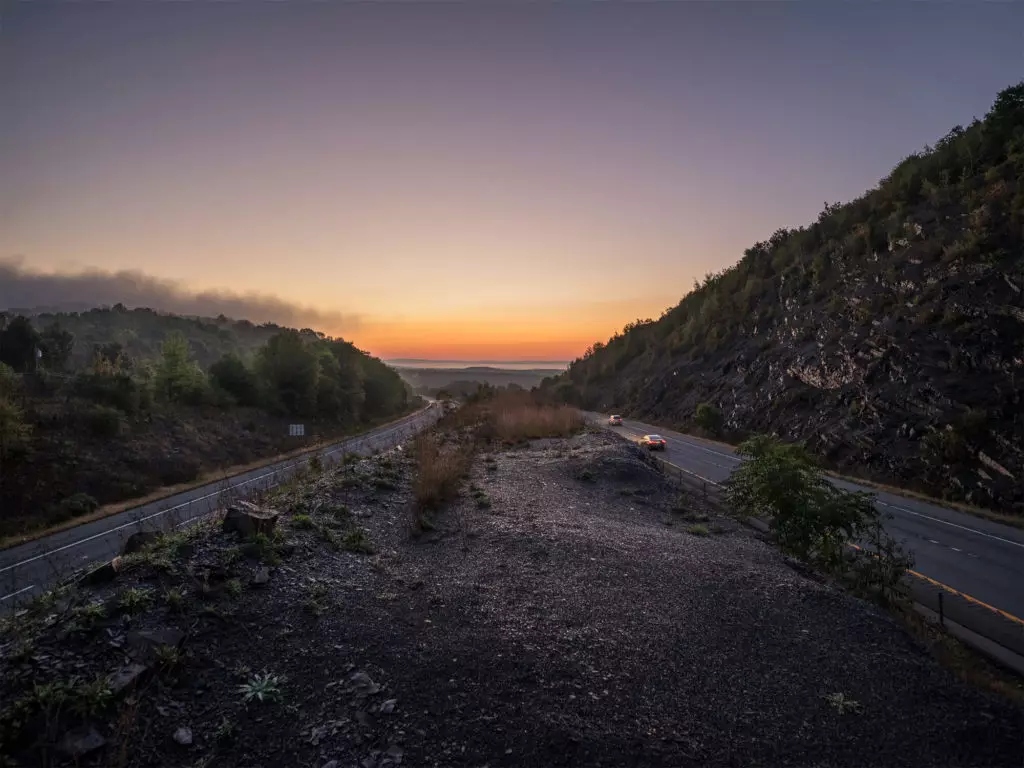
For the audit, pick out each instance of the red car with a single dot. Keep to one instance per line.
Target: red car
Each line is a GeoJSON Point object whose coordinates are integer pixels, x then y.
{"type": "Point", "coordinates": [653, 442]}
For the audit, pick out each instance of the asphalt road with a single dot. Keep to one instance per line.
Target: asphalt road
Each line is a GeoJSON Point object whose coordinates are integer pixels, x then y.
{"type": "Point", "coordinates": [29, 569]}
{"type": "Point", "coordinates": [982, 559]}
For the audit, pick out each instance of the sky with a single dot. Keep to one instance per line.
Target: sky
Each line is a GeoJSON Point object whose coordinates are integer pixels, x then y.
{"type": "Point", "coordinates": [457, 180]}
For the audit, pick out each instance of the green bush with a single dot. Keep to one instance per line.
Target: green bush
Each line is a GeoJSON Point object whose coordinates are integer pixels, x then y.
{"type": "Point", "coordinates": [77, 505]}
{"type": "Point", "coordinates": [103, 421]}
{"type": "Point", "coordinates": [708, 417]}
{"type": "Point", "coordinates": [813, 520]}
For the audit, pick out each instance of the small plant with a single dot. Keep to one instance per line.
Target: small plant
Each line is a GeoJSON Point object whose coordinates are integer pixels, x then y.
{"type": "Point", "coordinates": [356, 540]}
{"type": "Point", "coordinates": [303, 521]}
{"type": "Point", "coordinates": [135, 600]}
{"type": "Point", "coordinates": [233, 587]}
{"type": "Point", "coordinates": [587, 476]}
{"type": "Point", "coordinates": [226, 731]}
{"type": "Point", "coordinates": [262, 549]}
{"type": "Point", "coordinates": [483, 502]}
{"type": "Point", "coordinates": [316, 599]}
{"type": "Point", "coordinates": [169, 658]}
{"type": "Point", "coordinates": [91, 699]}
{"type": "Point", "coordinates": [232, 555]}
{"type": "Point", "coordinates": [175, 600]}
{"type": "Point", "coordinates": [842, 703]}
{"type": "Point", "coordinates": [241, 671]}
{"type": "Point", "coordinates": [315, 465]}
{"type": "Point", "coordinates": [697, 530]}
{"type": "Point", "coordinates": [261, 687]}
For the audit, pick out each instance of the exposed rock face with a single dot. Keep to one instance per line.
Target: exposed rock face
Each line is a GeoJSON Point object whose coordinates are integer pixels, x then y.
{"type": "Point", "coordinates": [889, 334]}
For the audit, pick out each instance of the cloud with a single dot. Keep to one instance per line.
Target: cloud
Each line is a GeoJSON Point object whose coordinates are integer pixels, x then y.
{"type": "Point", "coordinates": [25, 289]}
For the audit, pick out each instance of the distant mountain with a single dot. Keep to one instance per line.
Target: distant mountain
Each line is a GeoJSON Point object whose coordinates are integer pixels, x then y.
{"type": "Point", "coordinates": [888, 334]}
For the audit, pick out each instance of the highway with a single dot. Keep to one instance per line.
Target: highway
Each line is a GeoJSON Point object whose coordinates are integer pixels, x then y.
{"type": "Point", "coordinates": [982, 559]}
{"type": "Point", "coordinates": [29, 569]}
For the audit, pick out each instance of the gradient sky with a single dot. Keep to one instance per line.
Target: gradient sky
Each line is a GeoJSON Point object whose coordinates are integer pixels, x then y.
{"type": "Point", "coordinates": [464, 180]}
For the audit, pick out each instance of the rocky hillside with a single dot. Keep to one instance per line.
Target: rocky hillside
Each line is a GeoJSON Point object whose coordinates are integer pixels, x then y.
{"type": "Point", "coordinates": [888, 334]}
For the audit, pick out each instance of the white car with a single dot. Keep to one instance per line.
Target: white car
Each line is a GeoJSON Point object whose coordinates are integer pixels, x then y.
{"type": "Point", "coordinates": [615, 421]}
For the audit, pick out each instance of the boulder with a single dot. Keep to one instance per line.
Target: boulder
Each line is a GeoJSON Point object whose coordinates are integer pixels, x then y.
{"type": "Point", "coordinates": [261, 577]}
{"type": "Point", "coordinates": [139, 541]}
{"type": "Point", "coordinates": [103, 574]}
{"type": "Point", "coordinates": [126, 678]}
{"type": "Point", "coordinates": [248, 519]}
{"type": "Point", "coordinates": [81, 741]}
{"type": "Point", "coordinates": [143, 644]}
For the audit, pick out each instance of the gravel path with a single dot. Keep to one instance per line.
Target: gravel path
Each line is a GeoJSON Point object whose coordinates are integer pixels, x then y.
{"type": "Point", "coordinates": [563, 614]}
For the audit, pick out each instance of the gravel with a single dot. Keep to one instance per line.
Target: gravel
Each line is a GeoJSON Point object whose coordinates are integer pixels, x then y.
{"type": "Point", "coordinates": [572, 621]}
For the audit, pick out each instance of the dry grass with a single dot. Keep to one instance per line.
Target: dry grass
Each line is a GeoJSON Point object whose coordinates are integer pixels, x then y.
{"type": "Point", "coordinates": [440, 469]}
{"type": "Point", "coordinates": [523, 420]}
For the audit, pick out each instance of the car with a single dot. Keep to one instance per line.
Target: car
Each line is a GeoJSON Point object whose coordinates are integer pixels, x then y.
{"type": "Point", "coordinates": [615, 421]}
{"type": "Point", "coordinates": [653, 442]}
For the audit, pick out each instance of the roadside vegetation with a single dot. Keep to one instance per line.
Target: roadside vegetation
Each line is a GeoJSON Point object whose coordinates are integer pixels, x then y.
{"type": "Point", "coordinates": [142, 400]}
{"type": "Point", "coordinates": [491, 418]}
{"type": "Point", "coordinates": [814, 521]}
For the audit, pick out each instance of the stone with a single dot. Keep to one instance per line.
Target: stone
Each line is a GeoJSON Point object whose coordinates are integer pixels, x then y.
{"type": "Point", "coordinates": [139, 541]}
{"type": "Point", "coordinates": [81, 741]}
{"type": "Point", "coordinates": [261, 577]}
{"type": "Point", "coordinates": [103, 574]}
{"type": "Point", "coordinates": [331, 764]}
{"type": "Point", "coordinates": [183, 736]}
{"type": "Point", "coordinates": [249, 519]}
{"type": "Point", "coordinates": [126, 678]}
{"type": "Point", "coordinates": [388, 706]}
{"type": "Point", "coordinates": [142, 644]}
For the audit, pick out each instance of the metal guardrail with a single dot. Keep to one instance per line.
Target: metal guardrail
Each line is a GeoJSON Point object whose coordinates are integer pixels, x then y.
{"type": "Point", "coordinates": [947, 603]}
{"type": "Point", "coordinates": [63, 567]}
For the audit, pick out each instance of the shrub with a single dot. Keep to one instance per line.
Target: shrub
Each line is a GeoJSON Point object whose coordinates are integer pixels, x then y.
{"type": "Point", "coordinates": [813, 520]}
{"type": "Point", "coordinates": [76, 505]}
{"type": "Point", "coordinates": [708, 417]}
{"type": "Point", "coordinates": [356, 540]}
{"type": "Point", "coordinates": [103, 421]}
{"type": "Point", "coordinates": [303, 521]}
{"type": "Point", "coordinates": [135, 600]}
{"type": "Point", "coordinates": [439, 471]}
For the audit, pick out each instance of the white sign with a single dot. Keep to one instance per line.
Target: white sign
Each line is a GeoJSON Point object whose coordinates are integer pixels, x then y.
{"type": "Point", "coordinates": [296, 430]}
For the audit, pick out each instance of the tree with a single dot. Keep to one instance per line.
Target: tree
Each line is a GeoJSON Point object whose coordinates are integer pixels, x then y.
{"type": "Point", "coordinates": [177, 377]}
{"type": "Point", "coordinates": [19, 342]}
{"type": "Point", "coordinates": [708, 417]}
{"type": "Point", "coordinates": [233, 376]}
{"type": "Point", "coordinates": [290, 370]}
{"type": "Point", "coordinates": [812, 519]}
{"type": "Point", "coordinates": [57, 345]}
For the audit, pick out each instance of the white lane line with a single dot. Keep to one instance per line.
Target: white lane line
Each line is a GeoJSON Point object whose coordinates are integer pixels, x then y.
{"type": "Point", "coordinates": [101, 534]}
{"type": "Point", "coordinates": [15, 594]}
{"type": "Point", "coordinates": [955, 549]}
{"type": "Point", "coordinates": [933, 541]}
{"type": "Point", "coordinates": [953, 525]}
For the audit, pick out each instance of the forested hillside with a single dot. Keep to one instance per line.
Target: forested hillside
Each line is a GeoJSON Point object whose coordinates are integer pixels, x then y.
{"type": "Point", "coordinates": [111, 404]}
{"type": "Point", "coordinates": [888, 334]}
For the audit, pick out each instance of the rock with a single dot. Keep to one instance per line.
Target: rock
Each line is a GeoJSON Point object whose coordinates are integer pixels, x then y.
{"type": "Point", "coordinates": [142, 644]}
{"type": "Point", "coordinates": [261, 577]}
{"type": "Point", "coordinates": [126, 678]}
{"type": "Point", "coordinates": [81, 741]}
{"type": "Point", "coordinates": [183, 736]}
{"type": "Point", "coordinates": [331, 764]}
{"type": "Point", "coordinates": [364, 684]}
{"type": "Point", "coordinates": [248, 519]}
{"type": "Point", "coordinates": [140, 541]}
{"type": "Point", "coordinates": [104, 574]}
{"type": "Point", "coordinates": [388, 706]}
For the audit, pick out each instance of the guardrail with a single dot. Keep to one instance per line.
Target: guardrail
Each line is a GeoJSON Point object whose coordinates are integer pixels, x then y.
{"type": "Point", "coordinates": [63, 563]}
{"type": "Point", "coordinates": [949, 608]}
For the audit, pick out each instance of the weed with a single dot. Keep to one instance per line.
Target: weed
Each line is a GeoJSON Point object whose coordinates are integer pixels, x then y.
{"type": "Point", "coordinates": [843, 704]}
{"type": "Point", "coordinates": [175, 600]}
{"type": "Point", "coordinates": [697, 530]}
{"type": "Point", "coordinates": [261, 687]}
{"type": "Point", "coordinates": [356, 540]}
{"type": "Point", "coordinates": [89, 615]}
{"type": "Point", "coordinates": [135, 600]}
{"type": "Point", "coordinates": [262, 549]}
{"type": "Point", "coordinates": [241, 671]}
{"type": "Point", "coordinates": [233, 587]}
{"type": "Point", "coordinates": [91, 699]}
{"type": "Point", "coordinates": [330, 536]}
{"type": "Point", "coordinates": [316, 598]}
{"type": "Point", "coordinates": [303, 521]}
{"type": "Point", "coordinates": [587, 475]}
{"type": "Point", "coordinates": [169, 658]}
{"type": "Point", "coordinates": [483, 502]}
{"type": "Point", "coordinates": [439, 471]}
{"type": "Point", "coordinates": [226, 731]}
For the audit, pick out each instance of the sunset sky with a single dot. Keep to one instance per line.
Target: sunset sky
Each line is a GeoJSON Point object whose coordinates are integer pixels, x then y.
{"type": "Point", "coordinates": [454, 179]}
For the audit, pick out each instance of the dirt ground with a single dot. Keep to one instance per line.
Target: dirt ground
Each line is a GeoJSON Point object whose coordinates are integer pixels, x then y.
{"type": "Point", "coordinates": [565, 611]}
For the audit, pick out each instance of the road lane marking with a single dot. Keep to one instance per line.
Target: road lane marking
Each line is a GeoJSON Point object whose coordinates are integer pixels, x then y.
{"type": "Point", "coordinates": [933, 541]}
{"type": "Point", "coordinates": [946, 522]}
{"type": "Point", "coordinates": [955, 549]}
{"type": "Point", "coordinates": [357, 442]}
{"type": "Point", "coordinates": [15, 594]}
{"type": "Point", "coordinates": [964, 595]}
